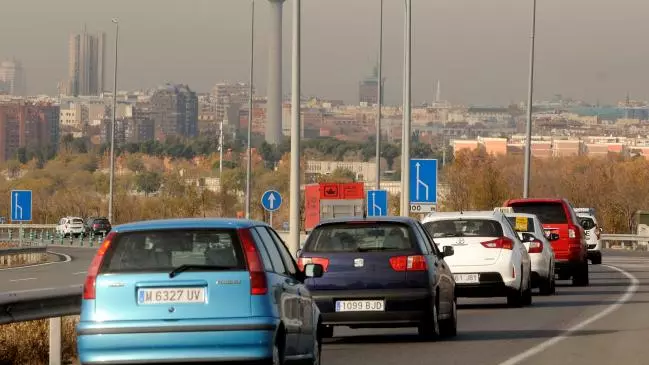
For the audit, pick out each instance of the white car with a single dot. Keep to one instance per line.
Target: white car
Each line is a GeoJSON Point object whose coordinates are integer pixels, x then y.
{"type": "Point", "coordinates": [489, 261]}
{"type": "Point", "coordinates": [70, 226]}
{"type": "Point", "coordinates": [592, 231]}
{"type": "Point", "coordinates": [539, 247]}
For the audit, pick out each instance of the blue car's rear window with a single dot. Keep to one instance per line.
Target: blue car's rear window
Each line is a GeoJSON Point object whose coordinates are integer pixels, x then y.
{"type": "Point", "coordinates": [360, 237]}
{"type": "Point", "coordinates": [165, 250]}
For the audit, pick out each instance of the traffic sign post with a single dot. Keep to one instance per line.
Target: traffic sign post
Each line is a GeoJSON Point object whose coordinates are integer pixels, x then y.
{"type": "Point", "coordinates": [423, 185]}
{"type": "Point", "coordinates": [21, 209]}
{"type": "Point", "coordinates": [377, 203]}
{"type": "Point", "coordinates": [271, 200]}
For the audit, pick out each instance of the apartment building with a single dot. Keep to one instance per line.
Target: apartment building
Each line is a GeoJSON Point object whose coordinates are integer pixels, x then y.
{"type": "Point", "coordinates": [32, 126]}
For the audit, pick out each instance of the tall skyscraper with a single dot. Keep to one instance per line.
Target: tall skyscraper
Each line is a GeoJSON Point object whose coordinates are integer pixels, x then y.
{"type": "Point", "coordinates": [87, 64]}
{"type": "Point", "coordinates": [368, 89]}
{"type": "Point", "coordinates": [12, 78]}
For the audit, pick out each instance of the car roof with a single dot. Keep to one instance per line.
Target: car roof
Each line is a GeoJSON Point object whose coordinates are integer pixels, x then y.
{"type": "Point", "coordinates": [465, 214]}
{"type": "Point", "coordinates": [585, 215]}
{"type": "Point", "coordinates": [535, 200]}
{"type": "Point", "coordinates": [389, 219]}
{"type": "Point", "coordinates": [184, 223]}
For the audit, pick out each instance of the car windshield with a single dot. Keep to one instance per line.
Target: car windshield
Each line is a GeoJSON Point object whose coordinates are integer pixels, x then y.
{"type": "Point", "coordinates": [169, 249]}
{"type": "Point", "coordinates": [548, 213]}
{"type": "Point", "coordinates": [521, 224]}
{"type": "Point", "coordinates": [464, 228]}
{"type": "Point", "coordinates": [100, 221]}
{"type": "Point", "coordinates": [360, 237]}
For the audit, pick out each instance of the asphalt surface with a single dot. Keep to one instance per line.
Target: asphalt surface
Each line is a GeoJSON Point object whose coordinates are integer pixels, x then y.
{"type": "Point", "coordinates": [604, 323]}
{"type": "Point", "coordinates": [70, 270]}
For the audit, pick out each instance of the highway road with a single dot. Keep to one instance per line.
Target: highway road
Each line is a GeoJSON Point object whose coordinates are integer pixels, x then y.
{"type": "Point", "coordinates": [69, 271]}
{"type": "Point", "coordinates": [600, 324]}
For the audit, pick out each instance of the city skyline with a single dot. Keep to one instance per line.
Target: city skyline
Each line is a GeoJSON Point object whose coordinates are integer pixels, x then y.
{"type": "Point", "coordinates": [477, 51]}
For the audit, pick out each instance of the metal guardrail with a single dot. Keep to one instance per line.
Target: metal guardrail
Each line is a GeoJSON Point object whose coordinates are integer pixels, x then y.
{"type": "Point", "coordinates": [27, 254]}
{"type": "Point", "coordinates": [29, 305]}
{"type": "Point", "coordinates": [623, 237]}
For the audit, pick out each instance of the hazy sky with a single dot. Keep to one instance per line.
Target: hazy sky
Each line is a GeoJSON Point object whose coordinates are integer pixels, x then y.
{"type": "Point", "coordinates": [591, 49]}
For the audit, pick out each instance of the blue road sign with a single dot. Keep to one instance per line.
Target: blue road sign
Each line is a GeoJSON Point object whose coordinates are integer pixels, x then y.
{"type": "Point", "coordinates": [423, 181]}
{"type": "Point", "coordinates": [21, 205]}
{"type": "Point", "coordinates": [377, 203]}
{"type": "Point", "coordinates": [271, 200]}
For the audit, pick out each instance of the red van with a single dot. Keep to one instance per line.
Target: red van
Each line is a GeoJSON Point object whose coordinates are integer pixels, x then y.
{"type": "Point", "coordinates": [568, 240]}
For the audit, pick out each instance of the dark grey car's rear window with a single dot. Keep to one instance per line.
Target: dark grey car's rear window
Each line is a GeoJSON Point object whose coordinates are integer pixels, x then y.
{"type": "Point", "coordinates": [360, 237]}
{"type": "Point", "coordinates": [464, 228]}
{"type": "Point", "coordinates": [164, 250]}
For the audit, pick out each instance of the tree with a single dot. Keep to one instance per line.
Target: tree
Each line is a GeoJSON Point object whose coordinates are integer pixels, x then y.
{"type": "Point", "coordinates": [13, 168]}
{"type": "Point", "coordinates": [148, 182]}
{"type": "Point", "coordinates": [135, 164]}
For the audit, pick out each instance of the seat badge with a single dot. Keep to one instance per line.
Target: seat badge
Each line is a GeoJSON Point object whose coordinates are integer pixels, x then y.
{"type": "Point", "coordinates": [359, 262]}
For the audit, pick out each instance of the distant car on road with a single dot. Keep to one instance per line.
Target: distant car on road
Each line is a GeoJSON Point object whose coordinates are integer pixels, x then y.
{"type": "Point", "coordinates": [539, 247]}
{"type": "Point", "coordinates": [97, 225]}
{"type": "Point", "coordinates": [197, 291]}
{"type": "Point", "coordinates": [381, 272]}
{"type": "Point", "coordinates": [70, 226]}
{"type": "Point", "coordinates": [593, 232]}
{"type": "Point", "coordinates": [570, 250]}
{"type": "Point", "coordinates": [490, 260]}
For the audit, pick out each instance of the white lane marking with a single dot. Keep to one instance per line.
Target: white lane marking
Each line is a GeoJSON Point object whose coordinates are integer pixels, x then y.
{"type": "Point", "coordinates": [80, 272]}
{"type": "Point", "coordinates": [630, 290]}
{"type": "Point", "coordinates": [25, 279]}
{"type": "Point", "coordinates": [67, 258]}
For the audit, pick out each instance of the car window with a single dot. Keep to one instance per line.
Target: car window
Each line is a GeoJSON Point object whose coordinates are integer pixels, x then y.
{"type": "Point", "coordinates": [289, 263]}
{"type": "Point", "coordinates": [361, 237]}
{"type": "Point", "coordinates": [273, 252]}
{"type": "Point", "coordinates": [472, 227]}
{"type": "Point", "coordinates": [587, 223]}
{"type": "Point", "coordinates": [548, 213]}
{"type": "Point", "coordinates": [164, 250]}
{"type": "Point", "coordinates": [521, 224]}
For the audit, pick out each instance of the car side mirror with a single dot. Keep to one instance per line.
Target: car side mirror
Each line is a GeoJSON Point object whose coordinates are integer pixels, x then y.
{"type": "Point", "coordinates": [553, 237]}
{"type": "Point", "coordinates": [313, 270]}
{"type": "Point", "coordinates": [448, 251]}
{"type": "Point", "coordinates": [298, 253]}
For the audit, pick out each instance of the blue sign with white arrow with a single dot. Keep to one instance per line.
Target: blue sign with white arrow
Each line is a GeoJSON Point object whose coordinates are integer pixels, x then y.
{"type": "Point", "coordinates": [271, 200]}
{"type": "Point", "coordinates": [377, 203]}
{"type": "Point", "coordinates": [21, 205]}
{"type": "Point", "coordinates": [423, 182]}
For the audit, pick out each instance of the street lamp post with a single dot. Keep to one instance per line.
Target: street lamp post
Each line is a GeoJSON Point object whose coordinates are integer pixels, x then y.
{"type": "Point", "coordinates": [250, 102]}
{"type": "Point", "coordinates": [294, 201]}
{"type": "Point", "coordinates": [528, 129]}
{"type": "Point", "coordinates": [405, 143]}
{"type": "Point", "coordinates": [379, 100]}
{"type": "Point", "coordinates": [111, 183]}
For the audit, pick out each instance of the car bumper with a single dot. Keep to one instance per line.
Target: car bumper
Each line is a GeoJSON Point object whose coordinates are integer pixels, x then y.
{"type": "Point", "coordinates": [403, 307]}
{"type": "Point", "coordinates": [491, 284]}
{"type": "Point", "coordinates": [129, 343]}
{"type": "Point", "coordinates": [566, 267]}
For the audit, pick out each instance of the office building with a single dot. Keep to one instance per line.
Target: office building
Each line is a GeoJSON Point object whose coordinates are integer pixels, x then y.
{"type": "Point", "coordinates": [32, 126]}
{"type": "Point", "coordinates": [87, 63]}
{"type": "Point", "coordinates": [174, 110]}
{"type": "Point", "coordinates": [12, 78]}
{"type": "Point", "coordinates": [368, 90]}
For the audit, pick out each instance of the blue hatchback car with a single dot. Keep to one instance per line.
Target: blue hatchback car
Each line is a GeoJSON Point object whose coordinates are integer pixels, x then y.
{"type": "Point", "coordinates": [197, 291]}
{"type": "Point", "coordinates": [381, 272]}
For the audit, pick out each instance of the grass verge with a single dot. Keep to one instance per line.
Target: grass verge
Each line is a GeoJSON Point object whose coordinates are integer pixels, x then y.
{"type": "Point", "coordinates": [27, 343]}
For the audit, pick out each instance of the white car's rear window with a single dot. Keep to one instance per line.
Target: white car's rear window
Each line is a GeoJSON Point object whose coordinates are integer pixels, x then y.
{"type": "Point", "coordinates": [464, 228]}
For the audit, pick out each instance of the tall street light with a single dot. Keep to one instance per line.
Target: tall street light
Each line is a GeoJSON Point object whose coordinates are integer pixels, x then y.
{"type": "Point", "coordinates": [294, 201]}
{"type": "Point", "coordinates": [528, 129]}
{"type": "Point", "coordinates": [405, 143]}
{"type": "Point", "coordinates": [379, 100]}
{"type": "Point", "coordinates": [111, 183]}
{"type": "Point", "coordinates": [250, 102]}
